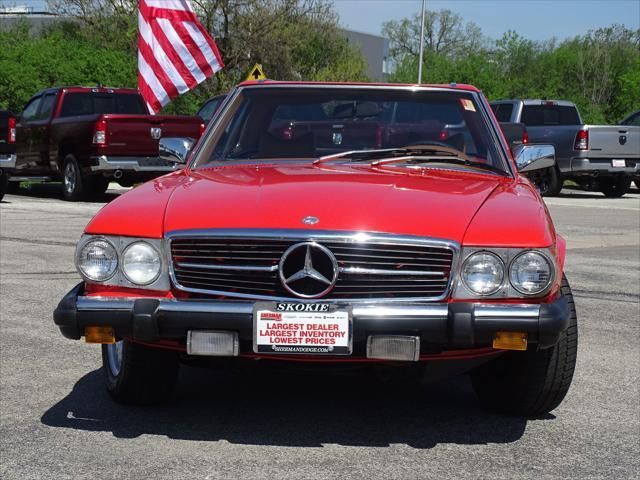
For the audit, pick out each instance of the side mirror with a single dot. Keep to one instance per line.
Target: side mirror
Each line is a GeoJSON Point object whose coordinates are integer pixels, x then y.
{"type": "Point", "coordinates": [175, 149]}
{"type": "Point", "coordinates": [534, 157]}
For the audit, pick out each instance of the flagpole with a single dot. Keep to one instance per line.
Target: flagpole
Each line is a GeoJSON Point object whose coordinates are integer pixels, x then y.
{"type": "Point", "coordinates": [424, 6]}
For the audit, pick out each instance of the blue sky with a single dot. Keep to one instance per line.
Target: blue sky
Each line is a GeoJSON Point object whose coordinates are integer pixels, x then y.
{"type": "Point", "coordinates": [533, 19]}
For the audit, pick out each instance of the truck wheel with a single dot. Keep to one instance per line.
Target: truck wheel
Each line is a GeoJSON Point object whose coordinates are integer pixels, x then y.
{"type": "Point", "coordinates": [615, 187]}
{"type": "Point", "coordinates": [74, 182]}
{"type": "Point", "coordinates": [4, 183]}
{"type": "Point", "coordinates": [136, 374]}
{"type": "Point", "coordinates": [553, 183]}
{"type": "Point", "coordinates": [534, 382]}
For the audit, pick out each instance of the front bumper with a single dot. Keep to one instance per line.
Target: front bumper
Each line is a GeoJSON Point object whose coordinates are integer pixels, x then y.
{"type": "Point", "coordinates": [7, 160]}
{"type": "Point", "coordinates": [105, 163]}
{"type": "Point", "coordinates": [441, 326]}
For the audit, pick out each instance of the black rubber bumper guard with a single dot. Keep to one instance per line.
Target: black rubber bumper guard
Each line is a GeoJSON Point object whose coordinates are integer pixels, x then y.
{"type": "Point", "coordinates": [453, 325]}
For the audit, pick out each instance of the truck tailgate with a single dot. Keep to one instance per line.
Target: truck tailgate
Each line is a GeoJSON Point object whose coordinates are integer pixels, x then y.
{"type": "Point", "coordinates": [138, 135]}
{"type": "Point", "coordinates": [615, 141]}
{"type": "Point", "coordinates": [5, 146]}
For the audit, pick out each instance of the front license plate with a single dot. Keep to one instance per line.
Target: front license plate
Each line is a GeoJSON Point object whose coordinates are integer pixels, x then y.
{"type": "Point", "coordinates": [301, 328]}
{"type": "Point", "coordinates": [618, 163]}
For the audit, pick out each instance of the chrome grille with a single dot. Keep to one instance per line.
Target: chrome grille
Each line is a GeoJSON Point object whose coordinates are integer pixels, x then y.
{"type": "Point", "coordinates": [370, 267]}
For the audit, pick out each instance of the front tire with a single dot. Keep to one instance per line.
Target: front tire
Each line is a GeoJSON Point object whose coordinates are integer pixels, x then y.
{"type": "Point", "coordinates": [534, 382]}
{"type": "Point", "coordinates": [137, 375]}
{"type": "Point", "coordinates": [615, 187]}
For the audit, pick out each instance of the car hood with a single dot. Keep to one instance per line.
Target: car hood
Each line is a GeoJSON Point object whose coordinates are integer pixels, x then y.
{"type": "Point", "coordinates": [469, 208]}
{"type": "Point", "coordinates": [432, 203]}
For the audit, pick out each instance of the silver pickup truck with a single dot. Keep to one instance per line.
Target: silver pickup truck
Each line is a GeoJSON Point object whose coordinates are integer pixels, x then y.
{"type": "Point", "coordinates": [604, 158]}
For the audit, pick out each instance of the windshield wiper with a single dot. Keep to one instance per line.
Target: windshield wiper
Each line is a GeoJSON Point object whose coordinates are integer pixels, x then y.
{"type": "Point", "coordinates": [369, 155]}
{"type": "Point", "coordinates": [438, 159]}
{"type": "Point", "coordinates": [423, 153]}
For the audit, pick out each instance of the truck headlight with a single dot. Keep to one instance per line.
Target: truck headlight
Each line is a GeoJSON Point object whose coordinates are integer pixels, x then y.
{"type": "Point", "coordinates": [483, 273]}
{"type": "Point", "coordinates": [97, 260]}
{"type": "Point", "coordinates": [141, 263]}
{"type": "Point", "coordinates": [530, 273]}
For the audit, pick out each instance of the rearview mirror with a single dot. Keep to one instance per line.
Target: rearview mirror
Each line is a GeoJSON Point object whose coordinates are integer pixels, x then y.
{"type": "Point", "coordinates": [175, 149]}
{"type": "Point", "coordinates": [534, 157]}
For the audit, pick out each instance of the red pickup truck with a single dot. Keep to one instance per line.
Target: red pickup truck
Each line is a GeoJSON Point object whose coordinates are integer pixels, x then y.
{"type": "Point", "coordinates": [7, 148]}
{"type": "Point", "coordinates": [87, 137]}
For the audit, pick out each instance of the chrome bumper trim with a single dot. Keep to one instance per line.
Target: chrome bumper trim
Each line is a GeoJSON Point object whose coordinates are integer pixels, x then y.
{"type": "Point", "coordinates": [106, 163]}
{"type": "Point", "coordinates": [579, 164]}
{"type": "Point", "coordinates": [8, 160]}
{"type": "Point", "coordinates": [506, 311]}
{"type": "Point", "coordinates": [385, 311]}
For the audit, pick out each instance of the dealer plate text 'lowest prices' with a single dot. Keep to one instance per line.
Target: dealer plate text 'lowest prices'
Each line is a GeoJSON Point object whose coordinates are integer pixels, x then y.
{"type": "Point", "coordinates": [300, 328]}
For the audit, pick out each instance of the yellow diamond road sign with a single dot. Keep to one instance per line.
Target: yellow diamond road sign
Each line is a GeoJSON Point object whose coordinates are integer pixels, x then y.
{"type": "Point", "coordinates": [256, 73]}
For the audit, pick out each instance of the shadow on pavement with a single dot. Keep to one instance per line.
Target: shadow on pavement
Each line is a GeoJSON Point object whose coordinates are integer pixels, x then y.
{"type": "Point", "coordinates": [293, 408]}
{"type": "Point", "coordinates": [573, 191]}
{"type": "Point", "coordinates": [54, 190]}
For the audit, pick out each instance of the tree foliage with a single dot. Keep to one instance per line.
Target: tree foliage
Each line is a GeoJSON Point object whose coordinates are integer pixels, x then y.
{"type": "Point", "coordinates": [599, 71]}
{"type": "Point", "coordinates": [59, 57]}
{"type": "Point", "coordinates": [292, 39]}
{"type": "Point", "coordinates": [445, 34]}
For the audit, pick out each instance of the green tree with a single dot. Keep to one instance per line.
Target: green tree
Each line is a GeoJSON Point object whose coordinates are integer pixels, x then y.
{"type": "Point", "coordinates": [58, 57]}
{"type": "Point", "coordinates": [445, 34]}
{"type": "Point", "coordinates": [599, 71]}
{"type": "Point", "coordinates": [292, 39]}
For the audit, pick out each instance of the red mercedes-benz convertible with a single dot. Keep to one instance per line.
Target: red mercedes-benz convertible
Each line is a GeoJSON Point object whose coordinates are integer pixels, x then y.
{"type": "Point", "coordinates": [335, 223]}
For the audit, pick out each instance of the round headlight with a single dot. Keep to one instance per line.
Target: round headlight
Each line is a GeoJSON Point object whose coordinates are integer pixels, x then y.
{"type": "Point", "coordinates": [483, 273]}
{"type": "Point", "coordinates": [530, 273]}
{"type": "Point", "coordinates": [97, 260]}
{"type": "Point", "coordinates": [141, 263]}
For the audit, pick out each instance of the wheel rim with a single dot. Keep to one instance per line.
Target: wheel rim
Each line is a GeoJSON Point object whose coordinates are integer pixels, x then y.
{"type": "Point", "coordinates": [114, 357]}
{"type": "Point", "coordinates": [70, 177]}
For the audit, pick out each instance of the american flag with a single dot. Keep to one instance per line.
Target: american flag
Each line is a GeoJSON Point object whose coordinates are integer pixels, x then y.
{"type": "Point", "coordinates": [175, 52]}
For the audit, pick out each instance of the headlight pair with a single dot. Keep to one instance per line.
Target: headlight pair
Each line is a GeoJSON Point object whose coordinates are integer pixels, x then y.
{"type": "Point", "coordinates": [530, 273]}
{"type": "Point", "coordinates": [139, 262]}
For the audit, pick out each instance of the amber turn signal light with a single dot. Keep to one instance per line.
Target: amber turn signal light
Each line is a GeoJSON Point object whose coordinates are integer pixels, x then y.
{"type": "Point", "coordinates": [99, 335]}
{"type": "Point", "coordinates": [510, 340]}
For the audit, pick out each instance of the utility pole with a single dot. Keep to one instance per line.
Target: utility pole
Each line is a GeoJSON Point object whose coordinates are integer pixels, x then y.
{"type": "Point", "coordinates": [424, 7]}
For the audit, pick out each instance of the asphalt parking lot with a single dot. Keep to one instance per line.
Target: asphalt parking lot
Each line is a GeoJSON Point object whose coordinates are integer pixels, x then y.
{"type": "Point", "coordinates": [58, 422]}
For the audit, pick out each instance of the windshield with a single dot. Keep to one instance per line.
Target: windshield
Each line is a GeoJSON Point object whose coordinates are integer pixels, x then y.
{"type": "Point", "coordinates": [287, 123]}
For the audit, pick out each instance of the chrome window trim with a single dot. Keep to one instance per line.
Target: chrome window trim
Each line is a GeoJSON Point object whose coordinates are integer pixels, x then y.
{"type": "Point", "coordinates": [479, 98]}
{"type": "Point", "coordinates": [353, 237]}
{"type": "Point", "coordinates": [494, 129]}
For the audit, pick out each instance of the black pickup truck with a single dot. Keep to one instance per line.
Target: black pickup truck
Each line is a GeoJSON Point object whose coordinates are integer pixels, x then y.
{"type": "Point", "coordinates": [87, 137]}
{"type": "Point", "coordinates": [7, 148]}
